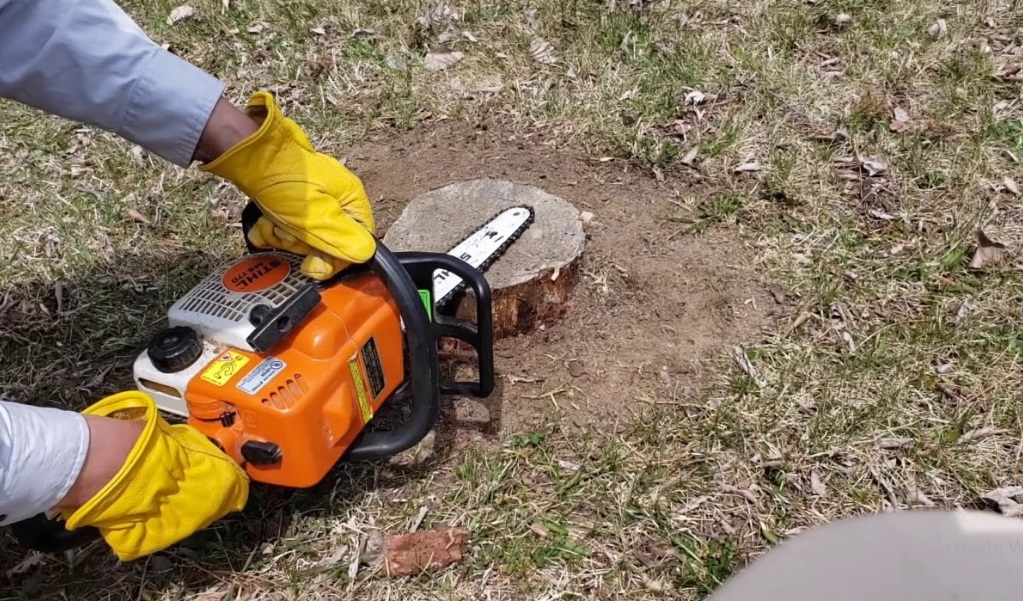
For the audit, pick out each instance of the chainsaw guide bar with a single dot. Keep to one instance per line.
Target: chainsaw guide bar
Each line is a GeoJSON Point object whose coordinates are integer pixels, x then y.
{"type": "Point", "coordinates": [482, 248]}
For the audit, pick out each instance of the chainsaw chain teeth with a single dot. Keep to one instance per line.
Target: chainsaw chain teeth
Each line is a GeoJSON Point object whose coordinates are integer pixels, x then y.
{"type": "Point", "coordinates": [497, 254]}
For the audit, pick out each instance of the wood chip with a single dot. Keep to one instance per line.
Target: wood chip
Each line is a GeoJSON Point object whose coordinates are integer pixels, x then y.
{"type": "Point", "coordinates": [429, 550]}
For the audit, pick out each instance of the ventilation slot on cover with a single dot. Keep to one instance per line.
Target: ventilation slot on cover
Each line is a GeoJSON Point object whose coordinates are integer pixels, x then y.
{"type": "Point", "coordinates": [287, 395]}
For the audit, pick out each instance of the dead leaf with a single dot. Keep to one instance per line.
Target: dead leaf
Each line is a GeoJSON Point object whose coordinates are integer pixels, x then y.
{"type": "Point", "coordinates": [137, 153]}
{"type": "Point", "coordinates": [575, 368]}
{"type": "Point", "coordinates": [318, 30]}
{"type": "Point", "coordinates": [778, 293]}
{"type": "Point", "coordinates": [874, 166]}
{"type": "Point", "coordinates": [916, 496]}
{"type": "Point", "coordinates": [468, 35]}
{"type": "Point", "coordinates": [739, 355]}
{"type": "Point", "coordinates": [988, 252]}
{"type": "Point", "coordinates": [427, 550]}
{"type": "Point", "coordinates": [182, 12]}
{"type": "Point", "coordinates": [816, 485]}
{"type": "Point", "coordinates": [1006, 499]}
{"type": "Point", "coordinates": [900, 120]}
{"type": "Point", "coordinates": [981, 433]}
{"type": "Point", "coordinates": [654, 586]}
{"type": "Point", "coordinates": [98, 379]}
{"type": "Point", "coordinates": [542, 52]}
{"type": "Point", "coordinates": [257, 28]}
{"type": "Point", "coordinates": [894, 443]}
{"type": "Point", "coordinates": [334, 557]}
{"type": "Point", "coordinates": [848, 339]}
{"type": "Point", "coordinates": [939, 29]}
{"type": "Point", "coordinates": [438, 61]}
{"type": "Point", "coordinates": [697, 97]}
{"type": "Point", "coordinates": [748, 167]}
{"type": "Point", "coordinates": [1010, 185]}
{"type": "Point", "coordinates": [137, 217]}
{"type": "Point", "coordinates": [690, 156]}
{"type": "Point", "coordinates": [30, 561]}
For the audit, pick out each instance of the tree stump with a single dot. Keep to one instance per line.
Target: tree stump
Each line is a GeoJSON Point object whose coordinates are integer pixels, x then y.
{"type": "Point", "coordinates": [531, 282]}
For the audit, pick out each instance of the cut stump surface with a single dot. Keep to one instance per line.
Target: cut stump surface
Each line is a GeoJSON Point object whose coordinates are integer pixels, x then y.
{"type": "Point", "coordinates": [531, 282]}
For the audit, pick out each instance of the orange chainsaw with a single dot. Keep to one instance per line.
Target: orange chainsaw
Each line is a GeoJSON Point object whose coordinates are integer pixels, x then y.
{"type": "Point", "coordinates": [285, 373]}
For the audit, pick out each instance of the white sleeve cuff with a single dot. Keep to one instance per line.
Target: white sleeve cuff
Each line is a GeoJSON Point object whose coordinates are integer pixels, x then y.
{"type": "Point", "coordinates": [42, 451]}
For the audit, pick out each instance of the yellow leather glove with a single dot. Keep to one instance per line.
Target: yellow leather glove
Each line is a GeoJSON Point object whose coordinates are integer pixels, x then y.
{"type": "Point", "coordinates": [174, 483]}
{"type": "Point", "coordinates": [312, 205]}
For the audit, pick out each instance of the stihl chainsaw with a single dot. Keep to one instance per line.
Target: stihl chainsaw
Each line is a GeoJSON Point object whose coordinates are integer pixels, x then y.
{"type": "Point", "coordinates": [285, 374]}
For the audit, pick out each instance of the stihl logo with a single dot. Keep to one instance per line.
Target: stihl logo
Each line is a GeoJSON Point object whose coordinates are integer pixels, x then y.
{"type": "Point", "coordinates": [254, 274]}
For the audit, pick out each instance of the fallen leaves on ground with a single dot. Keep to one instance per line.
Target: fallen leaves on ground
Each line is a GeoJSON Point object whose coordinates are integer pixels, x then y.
{"type": "Point", "coordinates": [988, 252]}
{"type": "Point", "coordinates": [180, 13]}
{"type": "Point", "coordinates": [1007, 499]}
{"type": "Point", "coordinates": [542, 52]}
{"type": "Point", "coordinates": [442, 59]}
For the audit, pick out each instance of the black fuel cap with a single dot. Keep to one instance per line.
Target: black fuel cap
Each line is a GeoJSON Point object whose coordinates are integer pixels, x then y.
{"type": "Point", "coordinates": [174, 349]}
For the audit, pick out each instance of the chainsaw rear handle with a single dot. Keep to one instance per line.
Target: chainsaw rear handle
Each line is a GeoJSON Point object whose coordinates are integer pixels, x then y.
{"type": "Point", "coordinates": [424, 365]}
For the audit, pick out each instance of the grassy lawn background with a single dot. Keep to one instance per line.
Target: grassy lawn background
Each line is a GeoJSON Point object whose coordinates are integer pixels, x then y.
{"type": "Point", "coordinates": [847, 151]}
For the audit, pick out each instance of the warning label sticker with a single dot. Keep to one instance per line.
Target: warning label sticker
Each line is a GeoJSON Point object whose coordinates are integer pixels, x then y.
{"type": "Point", "coordinates": [260, 375]}
{"type": "Point", "coordinates": [224, 367]}
{"type": "Point", "coordinates": [374, 371]}
{"type": "Point", "coordinates": [360, 389]}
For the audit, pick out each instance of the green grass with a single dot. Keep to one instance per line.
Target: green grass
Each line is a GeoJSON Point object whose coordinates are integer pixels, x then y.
{"type": "Point", "coordinates": [892, 335]}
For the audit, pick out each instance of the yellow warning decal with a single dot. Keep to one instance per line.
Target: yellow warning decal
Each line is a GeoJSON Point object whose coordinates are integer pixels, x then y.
{"type": "Point", "coordinates": [224, 367]}
{"type": "Point", "coordinates": [360, 389]}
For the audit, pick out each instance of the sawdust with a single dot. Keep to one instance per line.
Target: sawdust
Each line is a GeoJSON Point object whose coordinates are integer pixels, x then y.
{"type": "Point", "coordinates": [650, 311]}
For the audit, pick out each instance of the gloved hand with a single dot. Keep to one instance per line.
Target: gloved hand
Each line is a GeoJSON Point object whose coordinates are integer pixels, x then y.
{"type": "Point", "coordinates": [311, 204]}
{"type": "Point", "coordinates": [174, 483]}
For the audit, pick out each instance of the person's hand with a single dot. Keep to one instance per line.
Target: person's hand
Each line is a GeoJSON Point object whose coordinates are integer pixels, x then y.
{"type": "Point", "coordinates": [165, 484]}
{"type": "Point", "coordinates": [311, 204]}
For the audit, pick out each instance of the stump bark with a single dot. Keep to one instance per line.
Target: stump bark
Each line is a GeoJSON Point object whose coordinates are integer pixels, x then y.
{"type": "Point", "coordinates": [531, 283]}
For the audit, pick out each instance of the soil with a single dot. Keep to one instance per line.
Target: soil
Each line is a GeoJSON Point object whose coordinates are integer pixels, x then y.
{"type": "Point", "coordinates": [649, 309]}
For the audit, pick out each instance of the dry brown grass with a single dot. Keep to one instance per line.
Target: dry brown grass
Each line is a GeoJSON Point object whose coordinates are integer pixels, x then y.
{"type": "Point", "coordinates": [894, 386]}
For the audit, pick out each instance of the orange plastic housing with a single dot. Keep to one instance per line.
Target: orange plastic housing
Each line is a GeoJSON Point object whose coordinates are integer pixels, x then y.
{"type": "Point", "coordinates": [332, 380]}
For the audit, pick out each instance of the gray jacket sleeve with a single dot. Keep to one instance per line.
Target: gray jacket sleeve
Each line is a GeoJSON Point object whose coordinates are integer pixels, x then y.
{"type": "Point", "coordinates": [89, 62]}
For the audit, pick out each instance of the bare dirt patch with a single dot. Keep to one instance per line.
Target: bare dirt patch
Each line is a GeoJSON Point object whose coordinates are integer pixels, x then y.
{"type": "Point", "coordinates": [652, 306]}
